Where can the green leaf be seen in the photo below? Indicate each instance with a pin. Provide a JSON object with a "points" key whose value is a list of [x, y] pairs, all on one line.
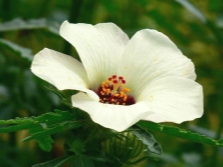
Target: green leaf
{"points": [[48, 118], [56, 162], [148, 139], [56, 129], [19, 24], [43, 126], [181, 133], [191, 8], [21, 51], [18, 127], [45, 142]]}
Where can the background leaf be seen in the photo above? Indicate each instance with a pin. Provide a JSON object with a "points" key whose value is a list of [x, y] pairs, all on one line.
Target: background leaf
{"points": [[20, 24], [21, 51], [191, 8]]}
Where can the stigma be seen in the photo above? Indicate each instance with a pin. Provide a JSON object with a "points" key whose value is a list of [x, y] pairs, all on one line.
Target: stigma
{"points": [[113, 91]]}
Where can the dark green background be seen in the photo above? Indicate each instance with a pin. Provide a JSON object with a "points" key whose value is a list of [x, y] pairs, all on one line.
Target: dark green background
{"points": [[27, 26]]}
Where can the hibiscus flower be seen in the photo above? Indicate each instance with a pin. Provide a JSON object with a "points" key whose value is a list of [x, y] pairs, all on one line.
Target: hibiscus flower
{"points": [[121, 80]]}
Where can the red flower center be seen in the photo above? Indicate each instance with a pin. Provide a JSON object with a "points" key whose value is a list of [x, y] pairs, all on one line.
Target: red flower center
{"points": [[112, 91]]}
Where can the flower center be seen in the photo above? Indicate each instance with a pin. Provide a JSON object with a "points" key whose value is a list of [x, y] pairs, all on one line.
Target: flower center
{"points": [[112, 91]]}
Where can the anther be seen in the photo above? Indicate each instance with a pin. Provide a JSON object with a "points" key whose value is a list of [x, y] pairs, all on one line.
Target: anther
{"points": [[115, 81]]}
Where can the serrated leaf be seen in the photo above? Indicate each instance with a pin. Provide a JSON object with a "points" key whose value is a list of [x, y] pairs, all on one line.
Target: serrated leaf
{"points": [[56, 129], [25, 120], [48, 118], [20, 24], [181, 133], [43, 126], [56, 162], [18, 127], [148, 139], [44, 121], [21, 51], [45, 142]]}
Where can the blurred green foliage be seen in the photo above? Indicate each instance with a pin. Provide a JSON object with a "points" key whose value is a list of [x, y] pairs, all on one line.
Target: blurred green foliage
{"points": [[27, 26]]}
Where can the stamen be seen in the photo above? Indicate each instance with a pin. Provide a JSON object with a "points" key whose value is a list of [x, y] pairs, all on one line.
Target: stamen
{"points": [[112, 91]]}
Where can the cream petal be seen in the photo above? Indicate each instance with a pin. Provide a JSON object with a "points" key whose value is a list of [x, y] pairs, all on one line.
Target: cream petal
{"points": [[111, 116], [100, 48], [62, 71], [150, 55], [173, 99]]}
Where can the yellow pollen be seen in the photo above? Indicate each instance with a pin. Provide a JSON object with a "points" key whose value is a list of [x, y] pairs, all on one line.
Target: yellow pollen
{"points": [[126, 90], [108, 90]]}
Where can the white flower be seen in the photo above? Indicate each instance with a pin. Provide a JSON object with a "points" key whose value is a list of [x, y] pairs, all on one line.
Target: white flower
{"points": [[122, 81]]}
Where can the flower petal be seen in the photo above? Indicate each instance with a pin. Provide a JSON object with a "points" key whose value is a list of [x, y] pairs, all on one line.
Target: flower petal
{"points": [[111, 116], [62, 71], [150, 55], [100, 48], [173, 99]]}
